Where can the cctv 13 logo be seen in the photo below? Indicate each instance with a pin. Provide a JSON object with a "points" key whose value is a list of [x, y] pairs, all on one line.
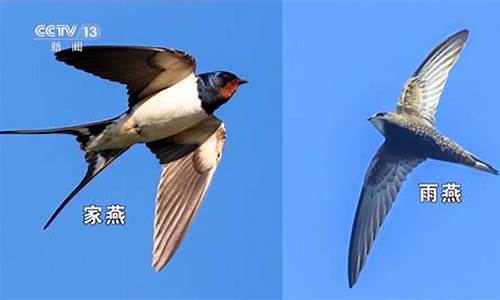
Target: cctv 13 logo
{"points": [[67, 31]]}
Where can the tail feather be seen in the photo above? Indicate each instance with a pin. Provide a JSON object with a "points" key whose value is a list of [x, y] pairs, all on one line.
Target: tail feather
{"points": [[483, 166], [97, 161], [83, 132]]}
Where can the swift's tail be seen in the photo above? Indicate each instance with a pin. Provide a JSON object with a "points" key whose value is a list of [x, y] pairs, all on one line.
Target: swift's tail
{"points": [[483, 166]]}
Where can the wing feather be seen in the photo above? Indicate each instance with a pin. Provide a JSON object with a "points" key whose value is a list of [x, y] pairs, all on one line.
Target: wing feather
{"points": [[183, 183], [421, 94], [385, 175], [145, 70]]}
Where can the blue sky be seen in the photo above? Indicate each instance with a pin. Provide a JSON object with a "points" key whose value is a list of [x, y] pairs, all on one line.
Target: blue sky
{"points": [[322, 70], [233, 248], [342, 63]]}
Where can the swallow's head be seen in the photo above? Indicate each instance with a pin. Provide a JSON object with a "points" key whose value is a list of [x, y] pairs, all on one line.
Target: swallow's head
{"points": [[225, 83], [379, 120], [219, 87]]}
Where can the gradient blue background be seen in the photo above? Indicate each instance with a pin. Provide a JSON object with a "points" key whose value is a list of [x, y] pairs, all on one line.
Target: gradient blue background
{"points": [[233, 248], [342, 63]]}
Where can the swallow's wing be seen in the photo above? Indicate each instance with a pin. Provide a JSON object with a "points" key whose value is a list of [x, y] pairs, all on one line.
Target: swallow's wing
{"points": [[145, 70], [421, 94], [189, 162], [387, 172]]}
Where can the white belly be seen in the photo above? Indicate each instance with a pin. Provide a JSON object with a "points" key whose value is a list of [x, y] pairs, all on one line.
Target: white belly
{"points": [[170, 111], [164, 114]]}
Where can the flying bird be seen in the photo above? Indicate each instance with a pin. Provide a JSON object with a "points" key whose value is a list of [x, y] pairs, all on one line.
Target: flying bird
{"points": [[410, 138], [171, 110]]}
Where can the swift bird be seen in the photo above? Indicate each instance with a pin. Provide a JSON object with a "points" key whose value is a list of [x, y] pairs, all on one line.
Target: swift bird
{"points": [[410, 138], [171, 111]]}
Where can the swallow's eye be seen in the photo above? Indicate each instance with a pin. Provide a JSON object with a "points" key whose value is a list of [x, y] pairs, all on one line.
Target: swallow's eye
{"points": [[380, 115], [228, 77]]}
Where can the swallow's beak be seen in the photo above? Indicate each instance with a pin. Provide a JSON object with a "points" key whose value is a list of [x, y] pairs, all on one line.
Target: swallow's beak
{"points": [[370, 119], [242, 81]]}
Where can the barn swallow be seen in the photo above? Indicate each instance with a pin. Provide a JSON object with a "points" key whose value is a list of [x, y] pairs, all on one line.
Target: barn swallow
{"points": [[171, 110], [410, 138]]}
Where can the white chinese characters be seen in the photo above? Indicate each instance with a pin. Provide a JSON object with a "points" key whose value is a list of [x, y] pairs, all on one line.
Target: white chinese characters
{"points": [[77, 46], [428, 192], [115, 214], [92, 215], [451, 192]]}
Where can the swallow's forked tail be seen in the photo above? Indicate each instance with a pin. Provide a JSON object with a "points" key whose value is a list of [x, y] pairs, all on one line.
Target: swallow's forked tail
{"points": [[97, 161], [483, 166]]}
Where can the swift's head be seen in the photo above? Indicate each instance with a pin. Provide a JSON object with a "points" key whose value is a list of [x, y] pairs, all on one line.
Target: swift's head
{"points": [[380, 119]]}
